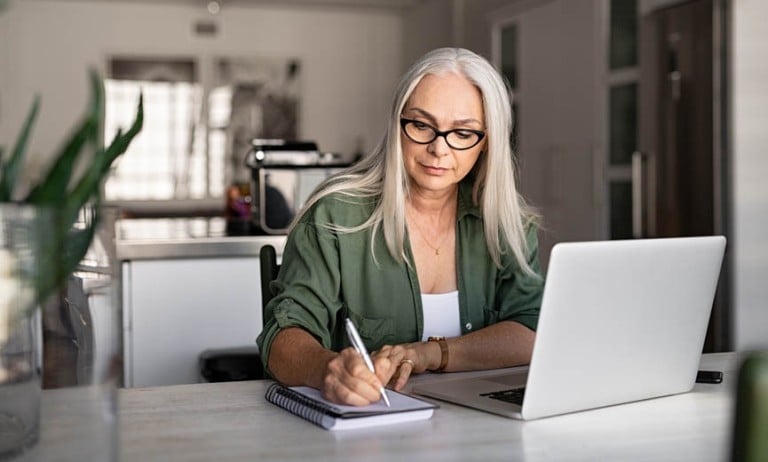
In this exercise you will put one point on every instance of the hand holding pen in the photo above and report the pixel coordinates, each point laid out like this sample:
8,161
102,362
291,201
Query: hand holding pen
358,344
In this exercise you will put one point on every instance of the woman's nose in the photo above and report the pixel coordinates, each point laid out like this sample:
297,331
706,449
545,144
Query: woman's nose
439,147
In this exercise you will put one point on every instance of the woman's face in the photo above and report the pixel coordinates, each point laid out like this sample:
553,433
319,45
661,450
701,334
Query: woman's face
445,102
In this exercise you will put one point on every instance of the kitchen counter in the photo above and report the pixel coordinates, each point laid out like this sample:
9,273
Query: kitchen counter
165,238
185,275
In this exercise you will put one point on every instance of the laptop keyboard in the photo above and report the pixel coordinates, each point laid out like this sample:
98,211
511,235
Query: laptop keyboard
513,395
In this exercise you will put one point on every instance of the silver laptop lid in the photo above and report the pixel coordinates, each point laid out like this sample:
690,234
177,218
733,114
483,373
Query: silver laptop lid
621,321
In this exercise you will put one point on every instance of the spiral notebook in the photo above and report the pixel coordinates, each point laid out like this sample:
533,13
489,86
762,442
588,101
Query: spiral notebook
308,404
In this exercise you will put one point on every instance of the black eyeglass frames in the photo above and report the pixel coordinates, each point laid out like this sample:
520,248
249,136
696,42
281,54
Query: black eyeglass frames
458,138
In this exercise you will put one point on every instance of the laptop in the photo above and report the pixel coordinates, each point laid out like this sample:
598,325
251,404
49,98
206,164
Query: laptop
620,321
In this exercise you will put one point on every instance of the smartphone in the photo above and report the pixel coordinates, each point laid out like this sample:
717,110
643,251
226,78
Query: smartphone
709,377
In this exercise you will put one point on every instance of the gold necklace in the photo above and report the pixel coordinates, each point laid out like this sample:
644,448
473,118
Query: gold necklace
424,238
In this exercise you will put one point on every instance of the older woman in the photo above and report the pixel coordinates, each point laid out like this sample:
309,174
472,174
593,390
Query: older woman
425,244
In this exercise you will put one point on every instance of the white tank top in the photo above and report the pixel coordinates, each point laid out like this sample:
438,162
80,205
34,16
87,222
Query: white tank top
441,315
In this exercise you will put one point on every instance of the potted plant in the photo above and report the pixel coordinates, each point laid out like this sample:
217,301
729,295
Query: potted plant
43,237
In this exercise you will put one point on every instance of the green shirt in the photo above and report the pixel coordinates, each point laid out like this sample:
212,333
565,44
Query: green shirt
326,276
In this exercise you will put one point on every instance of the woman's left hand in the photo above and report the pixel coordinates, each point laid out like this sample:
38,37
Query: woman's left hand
410,358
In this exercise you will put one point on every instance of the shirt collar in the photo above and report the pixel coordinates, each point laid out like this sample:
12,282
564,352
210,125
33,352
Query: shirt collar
466,206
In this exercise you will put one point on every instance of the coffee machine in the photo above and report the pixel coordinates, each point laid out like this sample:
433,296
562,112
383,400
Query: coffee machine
283,175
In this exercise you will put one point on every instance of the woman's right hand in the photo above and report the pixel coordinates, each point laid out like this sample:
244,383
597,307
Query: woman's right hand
347,380
297,358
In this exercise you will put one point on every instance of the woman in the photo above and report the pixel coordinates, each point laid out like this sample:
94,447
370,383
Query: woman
425,237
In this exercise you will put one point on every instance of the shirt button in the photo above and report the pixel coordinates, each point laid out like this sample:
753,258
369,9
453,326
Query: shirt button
468,326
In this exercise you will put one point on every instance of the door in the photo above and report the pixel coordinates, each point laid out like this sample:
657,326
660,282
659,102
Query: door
676,122
677,171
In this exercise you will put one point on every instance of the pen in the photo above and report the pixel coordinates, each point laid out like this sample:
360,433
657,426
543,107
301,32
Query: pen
357,343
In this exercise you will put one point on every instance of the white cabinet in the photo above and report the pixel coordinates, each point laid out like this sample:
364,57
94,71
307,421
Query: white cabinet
173,309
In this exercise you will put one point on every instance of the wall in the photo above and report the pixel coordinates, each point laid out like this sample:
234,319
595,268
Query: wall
4,60
350,58
558,115
749,100
439,23
479,17
427,26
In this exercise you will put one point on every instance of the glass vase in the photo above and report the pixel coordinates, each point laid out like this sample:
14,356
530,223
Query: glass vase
60,360
20,333
82,367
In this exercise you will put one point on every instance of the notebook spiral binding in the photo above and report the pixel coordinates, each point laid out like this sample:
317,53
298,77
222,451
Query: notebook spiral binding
297,404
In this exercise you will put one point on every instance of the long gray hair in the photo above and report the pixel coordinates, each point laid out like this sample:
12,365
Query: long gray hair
382,174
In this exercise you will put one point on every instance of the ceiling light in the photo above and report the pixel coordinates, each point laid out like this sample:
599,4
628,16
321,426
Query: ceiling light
214,7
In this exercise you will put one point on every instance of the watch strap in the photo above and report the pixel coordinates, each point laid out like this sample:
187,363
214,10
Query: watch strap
444,353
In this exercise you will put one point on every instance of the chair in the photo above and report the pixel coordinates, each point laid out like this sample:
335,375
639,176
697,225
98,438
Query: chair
269,269
242,363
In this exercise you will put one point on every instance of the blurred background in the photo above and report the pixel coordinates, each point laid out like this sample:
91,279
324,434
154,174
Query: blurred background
633,118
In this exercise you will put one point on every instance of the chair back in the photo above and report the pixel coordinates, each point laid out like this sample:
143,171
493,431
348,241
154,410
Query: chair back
269,270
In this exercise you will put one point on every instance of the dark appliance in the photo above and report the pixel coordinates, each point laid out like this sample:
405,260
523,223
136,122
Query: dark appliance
283,175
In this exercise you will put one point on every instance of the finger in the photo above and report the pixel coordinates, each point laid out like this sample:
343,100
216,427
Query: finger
384,351
395,354
337,393
404,373
334,388
348,381
358,377
385,367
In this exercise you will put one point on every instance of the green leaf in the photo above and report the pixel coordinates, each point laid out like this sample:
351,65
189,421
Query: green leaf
78,243
61,245
61,255
10,170
99,168
53,189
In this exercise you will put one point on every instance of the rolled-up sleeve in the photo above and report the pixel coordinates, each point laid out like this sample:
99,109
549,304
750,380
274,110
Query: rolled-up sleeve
307,287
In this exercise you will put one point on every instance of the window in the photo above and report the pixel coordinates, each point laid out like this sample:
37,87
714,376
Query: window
196,133
622,46
167,160
622,122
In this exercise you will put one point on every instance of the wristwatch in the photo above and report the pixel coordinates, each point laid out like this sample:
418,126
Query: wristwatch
443,351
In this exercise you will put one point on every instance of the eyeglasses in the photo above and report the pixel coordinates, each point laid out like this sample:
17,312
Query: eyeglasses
458,138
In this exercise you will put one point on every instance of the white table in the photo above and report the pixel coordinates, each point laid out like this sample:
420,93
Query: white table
232,421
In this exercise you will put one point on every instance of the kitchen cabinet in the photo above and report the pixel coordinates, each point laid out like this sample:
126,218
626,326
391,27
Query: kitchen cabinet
181,296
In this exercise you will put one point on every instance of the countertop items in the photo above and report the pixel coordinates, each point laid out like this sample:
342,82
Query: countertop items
161,238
